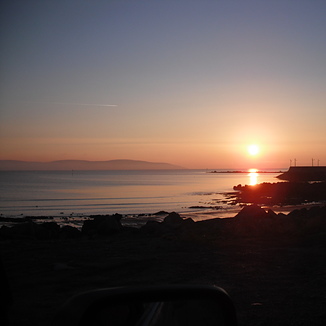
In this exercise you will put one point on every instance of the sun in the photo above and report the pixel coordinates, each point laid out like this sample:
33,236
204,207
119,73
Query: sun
253,149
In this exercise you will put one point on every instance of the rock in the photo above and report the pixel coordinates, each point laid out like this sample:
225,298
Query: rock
33,230
251,212
52,228
23,230
188,222
41,232
315,211
298,213
173,220
103,225
109,224
89,227
154,228
5,232
69,232
171,225
161,213
254,221
271,214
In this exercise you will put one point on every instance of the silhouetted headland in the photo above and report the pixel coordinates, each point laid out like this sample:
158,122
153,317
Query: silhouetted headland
280,193
304,173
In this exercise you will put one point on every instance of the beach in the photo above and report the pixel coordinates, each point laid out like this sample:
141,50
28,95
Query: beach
275,275
271,259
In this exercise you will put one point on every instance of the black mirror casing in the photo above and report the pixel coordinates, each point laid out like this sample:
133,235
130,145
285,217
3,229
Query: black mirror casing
149,306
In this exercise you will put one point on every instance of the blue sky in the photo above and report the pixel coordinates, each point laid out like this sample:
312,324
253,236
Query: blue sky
194,82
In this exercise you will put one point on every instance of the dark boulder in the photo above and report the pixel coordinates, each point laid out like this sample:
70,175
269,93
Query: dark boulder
173,220
154,228
41,232
103,225
173,223
308,221
21,230
315,211
251,212
254,221
161,213
89,227
298,213
31,230
188,222
271,214
5,232
52,229
69,232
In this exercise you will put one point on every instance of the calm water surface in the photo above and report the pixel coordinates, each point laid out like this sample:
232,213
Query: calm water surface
55,193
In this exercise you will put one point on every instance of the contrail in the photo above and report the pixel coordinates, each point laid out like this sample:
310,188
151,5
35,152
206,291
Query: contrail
70,103
81,104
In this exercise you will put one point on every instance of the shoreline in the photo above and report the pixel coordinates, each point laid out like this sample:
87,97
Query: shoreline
138,220
279,198
134,220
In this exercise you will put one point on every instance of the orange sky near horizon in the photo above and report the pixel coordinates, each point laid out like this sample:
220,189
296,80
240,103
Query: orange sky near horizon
194,92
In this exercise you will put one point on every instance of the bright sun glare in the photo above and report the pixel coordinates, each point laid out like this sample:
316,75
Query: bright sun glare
253,149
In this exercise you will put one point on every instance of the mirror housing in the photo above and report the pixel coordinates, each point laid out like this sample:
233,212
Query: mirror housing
149,306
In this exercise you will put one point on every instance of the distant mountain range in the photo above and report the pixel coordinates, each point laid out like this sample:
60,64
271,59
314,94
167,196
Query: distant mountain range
7,165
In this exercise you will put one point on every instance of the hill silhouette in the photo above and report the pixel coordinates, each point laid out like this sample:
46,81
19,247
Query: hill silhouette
7,165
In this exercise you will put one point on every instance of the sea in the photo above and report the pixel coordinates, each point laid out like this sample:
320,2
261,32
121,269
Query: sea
76,195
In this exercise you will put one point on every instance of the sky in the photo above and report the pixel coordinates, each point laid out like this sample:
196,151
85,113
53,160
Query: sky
191,83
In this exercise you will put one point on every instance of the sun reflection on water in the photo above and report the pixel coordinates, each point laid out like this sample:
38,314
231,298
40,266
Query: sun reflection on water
253,175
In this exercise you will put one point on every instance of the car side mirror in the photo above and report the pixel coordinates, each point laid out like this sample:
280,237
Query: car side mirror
175,305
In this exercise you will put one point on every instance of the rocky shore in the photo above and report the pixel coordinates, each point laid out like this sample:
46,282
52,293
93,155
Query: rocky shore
280,193
272,265
251,221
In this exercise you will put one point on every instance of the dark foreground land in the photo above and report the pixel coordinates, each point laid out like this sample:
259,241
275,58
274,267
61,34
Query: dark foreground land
273,266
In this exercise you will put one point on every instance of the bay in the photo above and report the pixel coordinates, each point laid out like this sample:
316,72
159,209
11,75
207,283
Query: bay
82,193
